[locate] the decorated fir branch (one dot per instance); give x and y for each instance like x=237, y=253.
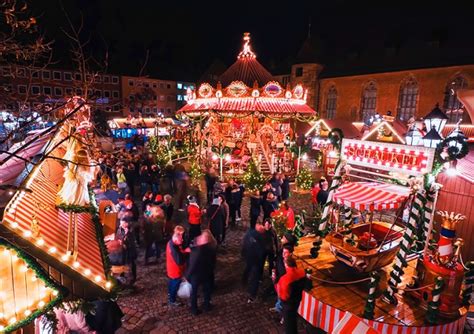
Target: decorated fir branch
x=298, y=230
x=433, y=305
x=195, y=173
x=279, y=222
x=59, y=292
x=253, y=178
x=304, y=179
x=370, y=304
x=75, y=208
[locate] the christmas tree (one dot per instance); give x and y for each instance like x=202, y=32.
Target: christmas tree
x=304, y=179
x=253, y=177
x=195, y=173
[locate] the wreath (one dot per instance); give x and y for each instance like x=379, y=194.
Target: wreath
x=453, y=151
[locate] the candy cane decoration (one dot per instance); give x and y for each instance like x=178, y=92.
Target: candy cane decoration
x=433, y=305
x=336, y=181
x=429, y=205
x=400, y=260
x=370, y=305
x=347, y=225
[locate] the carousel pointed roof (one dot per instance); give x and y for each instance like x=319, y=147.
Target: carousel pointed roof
x=246, y=69
x=247, y=87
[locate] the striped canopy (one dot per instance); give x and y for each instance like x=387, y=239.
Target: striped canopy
x=370, y=196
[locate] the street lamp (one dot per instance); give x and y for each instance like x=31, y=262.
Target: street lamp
x=437, y=119
x=456, y=138
x=413, y=136
x=432, y=138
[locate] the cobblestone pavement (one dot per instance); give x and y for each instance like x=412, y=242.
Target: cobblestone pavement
x=146, y=309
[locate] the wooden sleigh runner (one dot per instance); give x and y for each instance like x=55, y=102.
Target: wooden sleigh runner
x=367, y=246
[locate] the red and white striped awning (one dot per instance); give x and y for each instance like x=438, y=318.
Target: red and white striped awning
x=370, y=196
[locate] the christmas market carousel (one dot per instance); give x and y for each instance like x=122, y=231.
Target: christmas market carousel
x=375, y=263
x=51, y=244
x=247, y=114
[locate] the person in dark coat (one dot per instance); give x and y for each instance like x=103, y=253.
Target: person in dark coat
x=285, y=188
x=230, y=199
x=323, y=193
x=200, y=271
x=210, y=177
x=271, y=244
x=168, y=209
x=239, y=198
x=253, y=252
x=106, y=318
x=129, y=249
x=255, y=208
x=276, y=183
x=131, y=177
x=216, y=218
x=153, y=231
x=270, y=204
x=155, y=176
x=147, y=200
x=144, y=178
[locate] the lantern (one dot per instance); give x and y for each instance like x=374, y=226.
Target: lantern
x=432, y=138
x=437, y=119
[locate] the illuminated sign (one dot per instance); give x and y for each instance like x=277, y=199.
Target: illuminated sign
x=412, y=160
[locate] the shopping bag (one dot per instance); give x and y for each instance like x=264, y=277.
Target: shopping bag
x=184, y=290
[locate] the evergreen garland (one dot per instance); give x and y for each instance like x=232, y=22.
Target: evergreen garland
x=195, y=173
x=43, y=276
x=298, y=230
x=304, y=179
x=253, y=178
x=75, y=208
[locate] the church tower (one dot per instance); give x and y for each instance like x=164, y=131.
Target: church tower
x=306, y=70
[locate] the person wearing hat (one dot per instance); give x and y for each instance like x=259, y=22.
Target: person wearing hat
x=194, y=217
x=217, y=219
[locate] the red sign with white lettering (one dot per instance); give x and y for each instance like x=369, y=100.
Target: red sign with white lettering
x=413, y=160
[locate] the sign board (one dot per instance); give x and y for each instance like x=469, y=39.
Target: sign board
x=412, y=160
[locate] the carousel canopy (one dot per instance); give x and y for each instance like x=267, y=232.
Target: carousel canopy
x=371, y=196
x=247, y=87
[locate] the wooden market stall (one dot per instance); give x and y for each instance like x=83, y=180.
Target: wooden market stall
x=65, y=241
x=248, y=113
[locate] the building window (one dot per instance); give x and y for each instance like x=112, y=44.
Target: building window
x=452, y=106
x=22, y=89
x=98, y=93
x=35, y=90
x=68, y=91
x=299, y=72
x=98, y=78
x=6, y=71
x=155, y=85
x=78, y=76
x=21, y=72
x=47, y=91
x=180, y=97
x=106, y=93
x=58, y=91
x=331, y=100
x=115, y=94
x=130, y=82
x=46, y=75
x=56, y=75
x=106, y=79
x=67, y=76
x=147, y=85
x=162, y=97
x=407, y=99
x=168, y=86
x=369, y=101
x=79, y=91
x=115, y=80
x=35, y=74
x=179, y=85
x=155, y=110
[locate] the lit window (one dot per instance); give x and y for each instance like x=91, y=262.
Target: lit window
x=369, y=101
x=452, y=106
x=179, y=85
x=407, y=99
x=331, y=101
x=180, y=98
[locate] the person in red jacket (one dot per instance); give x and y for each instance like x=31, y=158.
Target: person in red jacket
x=289, y=289
x=175, y=263
x=194, y=218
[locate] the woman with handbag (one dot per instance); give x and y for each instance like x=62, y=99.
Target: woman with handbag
x=216, y=217
x=200, y=271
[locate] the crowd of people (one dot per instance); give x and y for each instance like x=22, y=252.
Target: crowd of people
x=191, y=244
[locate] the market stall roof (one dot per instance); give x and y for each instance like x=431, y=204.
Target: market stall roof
x=370, y=196
x=348, y=129
x=246, y=69
x=149, y=122
x=397, y=128
x=242, y=105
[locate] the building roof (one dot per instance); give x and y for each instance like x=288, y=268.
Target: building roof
x=249, y=104
x=348, y=129
x=465, y=167
x=308, y=52
x=246, y=69
x=467, y=129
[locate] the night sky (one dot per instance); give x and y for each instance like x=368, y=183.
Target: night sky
x=184, y=37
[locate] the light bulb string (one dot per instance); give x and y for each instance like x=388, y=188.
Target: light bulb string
x=13, y=283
